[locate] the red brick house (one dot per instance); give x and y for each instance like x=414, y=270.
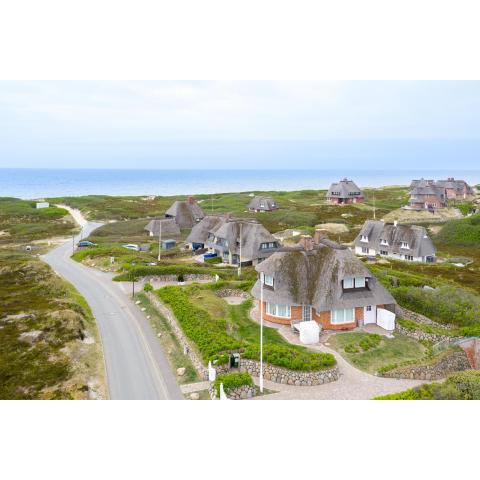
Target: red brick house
x=322, y=281
x=344, y=192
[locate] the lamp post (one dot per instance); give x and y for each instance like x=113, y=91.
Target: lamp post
x=133, y=288
x=240, y=253
x=261, y=333
x=160, y=241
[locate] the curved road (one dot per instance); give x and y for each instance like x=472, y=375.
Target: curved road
x=136, y=366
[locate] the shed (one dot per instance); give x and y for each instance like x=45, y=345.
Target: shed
x=309, y=332
x=42, y=205
x=169, y=243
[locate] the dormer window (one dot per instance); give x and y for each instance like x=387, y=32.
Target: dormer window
x=267, y=279
x=267, y=245
x=405, y=245
x=363, y=238
x=383, y=242
x=348, y=283
x=354, y=282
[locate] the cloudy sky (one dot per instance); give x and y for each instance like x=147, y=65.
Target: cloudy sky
x=239, y=124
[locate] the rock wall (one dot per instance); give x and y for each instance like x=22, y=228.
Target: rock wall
x=289, y=377
x=173, y=278
x=239, y=393
x=452, y=362
x=232, y=292
x=420, y=335
x=418, y=318
x=188, y=349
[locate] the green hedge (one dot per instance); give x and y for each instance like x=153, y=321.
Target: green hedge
x=445, y=304
x=290, y=357
x=209, y=334
x=232, y=380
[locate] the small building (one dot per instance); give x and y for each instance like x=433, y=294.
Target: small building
x=400, y=242
x=186, y=213
x=239, y=240
x=42, y=205
x=168, y=244
x=322, y=281
x=169, y=227
x=262, y=204
x=344, y=192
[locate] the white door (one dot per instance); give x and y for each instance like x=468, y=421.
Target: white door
x=370, y=314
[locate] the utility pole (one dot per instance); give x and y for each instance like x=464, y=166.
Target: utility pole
x=374, y=212
x=160, y=241
x=133, y=288
x=211, y=198
x=73, y=243
x=261, y=331
x=240, y=253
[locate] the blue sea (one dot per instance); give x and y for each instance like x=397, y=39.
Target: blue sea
x=40, y=183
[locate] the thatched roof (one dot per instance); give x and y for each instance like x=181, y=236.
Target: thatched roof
x=186, y=213
x=417, y=238
x=202, y=229
x=226, y=237
x=313, y=276
x=262, y=203
x=344, y=189
x=169, y=227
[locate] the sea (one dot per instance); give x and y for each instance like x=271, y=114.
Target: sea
x=29, y=183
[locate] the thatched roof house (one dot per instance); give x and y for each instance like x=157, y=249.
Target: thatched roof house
x=402, y=242
x=200, y=232
x=433, y=194
x=235, y=237
x=169, y=227
x=323, y=281
x=344, y=192
x=186, y=213
x=262, y=203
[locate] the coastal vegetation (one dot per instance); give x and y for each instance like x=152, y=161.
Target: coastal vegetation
x=459, y=386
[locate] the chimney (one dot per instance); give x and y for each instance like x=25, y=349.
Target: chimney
x=319, y=235
x=307, y=242
x=395, y=223
x=191, y=200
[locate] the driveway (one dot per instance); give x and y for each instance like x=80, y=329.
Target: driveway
x=136, y=365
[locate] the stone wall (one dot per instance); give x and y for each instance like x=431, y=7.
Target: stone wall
x=418, y=318
x=454, y=361
x=189, y=350
x=173, y=278
x=232, y=292
x=239, y=393
x=289, y=377
x=420, y=335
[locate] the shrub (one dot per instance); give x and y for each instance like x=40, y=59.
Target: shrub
x=213, y=260
x=351, y=348
x=370, y=341
x=142, y=271
x=148, y=287
x=232, y=380
x=289, y=357
x=219, y=359
x=387, y=368
x=464, y=232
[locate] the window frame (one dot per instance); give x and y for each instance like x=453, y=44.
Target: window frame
x=334, y=316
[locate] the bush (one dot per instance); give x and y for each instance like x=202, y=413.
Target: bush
x=387, y=368
x=143, y=271
x=351, y=348
x=148, y=287
x=219, y=359
x=290, y=357
x=464, y=232
x=213, y=260
x=370, y=341
x=232, y=380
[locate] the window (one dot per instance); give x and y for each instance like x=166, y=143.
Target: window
x=369, y=308
x=365, y=250
x=383, y=242
x=383, y=252
x=348, y=283
x=267, y=280
x=267, y=245
x=346, y=315
x=405, y=245
x=278, y=310
x=363, y=238
x=359, y=282
x=409, y=257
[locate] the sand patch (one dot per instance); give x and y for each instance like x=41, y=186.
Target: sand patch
x=333, y=227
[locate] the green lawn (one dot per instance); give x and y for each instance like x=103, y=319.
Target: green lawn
x=389, y=350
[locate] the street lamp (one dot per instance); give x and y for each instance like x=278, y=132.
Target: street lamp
x=261, y=332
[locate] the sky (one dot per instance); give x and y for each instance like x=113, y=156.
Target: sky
x=186, y=124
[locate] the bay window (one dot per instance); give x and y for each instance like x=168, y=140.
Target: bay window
x=278, y=310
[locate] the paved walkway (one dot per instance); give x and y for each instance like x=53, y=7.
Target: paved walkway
x=353, y=384
x=194, y=387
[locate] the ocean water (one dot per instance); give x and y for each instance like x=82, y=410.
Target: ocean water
x=40, y=183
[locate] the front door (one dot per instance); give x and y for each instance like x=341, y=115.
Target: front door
x=370, y=314
x=307, y=313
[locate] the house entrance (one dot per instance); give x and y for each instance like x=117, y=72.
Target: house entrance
x=370, y=314
x=307, y=313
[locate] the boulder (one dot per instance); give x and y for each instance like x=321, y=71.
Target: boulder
x=181, y=371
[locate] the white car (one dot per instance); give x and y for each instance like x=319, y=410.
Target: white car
x=132, y=246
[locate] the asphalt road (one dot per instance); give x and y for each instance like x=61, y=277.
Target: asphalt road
x=136, y=366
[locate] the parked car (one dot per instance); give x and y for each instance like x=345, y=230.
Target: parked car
x=132, y=246
x=86, y=243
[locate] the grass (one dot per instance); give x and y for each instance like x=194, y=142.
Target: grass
x=169, y=342
x=464, y=232
x=216, y=327
x=386, y=351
